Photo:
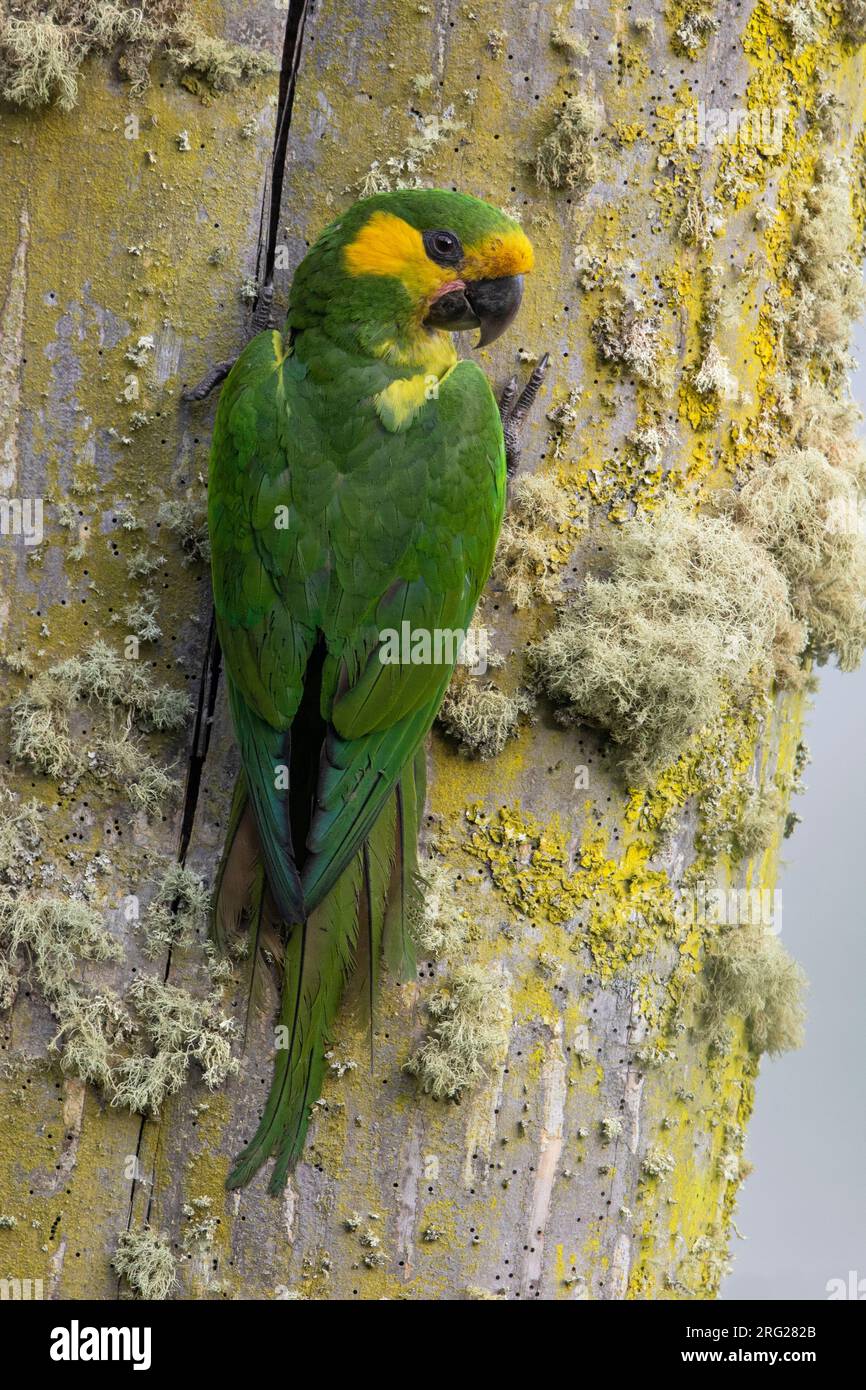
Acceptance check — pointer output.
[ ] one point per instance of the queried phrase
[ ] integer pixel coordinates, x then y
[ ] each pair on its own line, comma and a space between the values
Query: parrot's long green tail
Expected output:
366, 917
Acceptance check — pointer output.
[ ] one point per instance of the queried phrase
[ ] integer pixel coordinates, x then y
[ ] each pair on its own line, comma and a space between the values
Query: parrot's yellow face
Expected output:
442, 275
416, 264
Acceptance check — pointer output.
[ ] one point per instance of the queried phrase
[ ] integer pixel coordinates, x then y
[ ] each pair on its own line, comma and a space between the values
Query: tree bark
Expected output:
523, 1189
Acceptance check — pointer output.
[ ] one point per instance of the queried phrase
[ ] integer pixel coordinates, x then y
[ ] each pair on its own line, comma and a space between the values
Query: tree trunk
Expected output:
598, 1155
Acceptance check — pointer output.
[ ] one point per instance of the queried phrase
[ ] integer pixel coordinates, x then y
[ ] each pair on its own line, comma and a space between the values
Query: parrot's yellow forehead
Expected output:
387, 245
501, 253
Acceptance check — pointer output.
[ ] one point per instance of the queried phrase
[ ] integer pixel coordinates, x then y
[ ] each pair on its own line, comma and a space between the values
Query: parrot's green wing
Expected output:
265, 643
381, 710
330, 532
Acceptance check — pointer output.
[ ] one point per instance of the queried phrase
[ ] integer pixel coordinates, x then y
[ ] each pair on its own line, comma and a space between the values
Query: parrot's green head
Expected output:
398, 271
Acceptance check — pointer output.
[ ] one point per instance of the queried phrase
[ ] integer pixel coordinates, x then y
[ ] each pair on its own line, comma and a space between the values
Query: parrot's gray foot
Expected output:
262, 318
513, 410
209, 381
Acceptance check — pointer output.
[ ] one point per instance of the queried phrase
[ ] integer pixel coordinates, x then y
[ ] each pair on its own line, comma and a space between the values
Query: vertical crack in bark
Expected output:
292, 45
204, 715
211, 664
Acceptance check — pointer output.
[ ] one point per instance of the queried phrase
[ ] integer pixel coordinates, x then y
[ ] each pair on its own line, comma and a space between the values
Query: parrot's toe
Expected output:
514, 410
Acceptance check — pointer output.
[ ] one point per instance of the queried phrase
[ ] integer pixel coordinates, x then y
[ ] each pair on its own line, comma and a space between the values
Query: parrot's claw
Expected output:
513, 410
262, 318
208, 382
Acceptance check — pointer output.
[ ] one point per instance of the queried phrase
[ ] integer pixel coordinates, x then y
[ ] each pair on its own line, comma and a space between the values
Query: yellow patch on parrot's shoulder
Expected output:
400, 402
282, 347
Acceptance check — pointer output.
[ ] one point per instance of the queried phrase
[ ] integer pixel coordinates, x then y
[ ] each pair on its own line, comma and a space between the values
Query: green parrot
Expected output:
357, 485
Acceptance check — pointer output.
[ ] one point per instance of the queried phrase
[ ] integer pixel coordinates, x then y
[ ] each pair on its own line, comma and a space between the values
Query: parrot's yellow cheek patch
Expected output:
498, 255
386, 245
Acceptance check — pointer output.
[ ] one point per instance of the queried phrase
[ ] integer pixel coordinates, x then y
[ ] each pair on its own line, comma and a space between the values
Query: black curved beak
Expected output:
486, 304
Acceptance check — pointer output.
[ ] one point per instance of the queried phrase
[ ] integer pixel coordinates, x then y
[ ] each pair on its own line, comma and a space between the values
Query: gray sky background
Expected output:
803, 1210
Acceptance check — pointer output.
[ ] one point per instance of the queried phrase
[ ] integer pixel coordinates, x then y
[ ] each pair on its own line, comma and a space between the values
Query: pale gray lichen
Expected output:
749, 974
144, 1259
178, 910
181, 1029
54, 935
480, 717
656, 1163
94, 1029
714, 376
566, 157
404, 169
698, 225
523, 566
469, 1036
568, 42
757, 823
124, 695
627, 334
201, 1225
187, 519
695, 25
43, 47
687, 610
140, 618
439, 924
807, 512
827, 294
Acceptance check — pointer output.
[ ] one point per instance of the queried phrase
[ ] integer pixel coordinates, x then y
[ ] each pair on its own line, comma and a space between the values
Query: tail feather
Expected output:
264, 750
404, 893
375, 895
266, 945
377, 858
318, 959
236, 874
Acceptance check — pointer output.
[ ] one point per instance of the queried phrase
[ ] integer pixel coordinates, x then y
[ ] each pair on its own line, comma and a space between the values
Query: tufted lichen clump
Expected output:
481, 718
525, 563
688, 611
748, 973
469, 1035
181, 1029
178, 911
127, 701
826, 285
138, 1048
627, 334
806, 512
566, 156
657, 1163
439, 924
43, 47
757, 823
187, 520
694, 22
144, 1259
54, 935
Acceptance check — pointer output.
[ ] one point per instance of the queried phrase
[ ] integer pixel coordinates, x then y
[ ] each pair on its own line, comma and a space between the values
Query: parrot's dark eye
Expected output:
443, 247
